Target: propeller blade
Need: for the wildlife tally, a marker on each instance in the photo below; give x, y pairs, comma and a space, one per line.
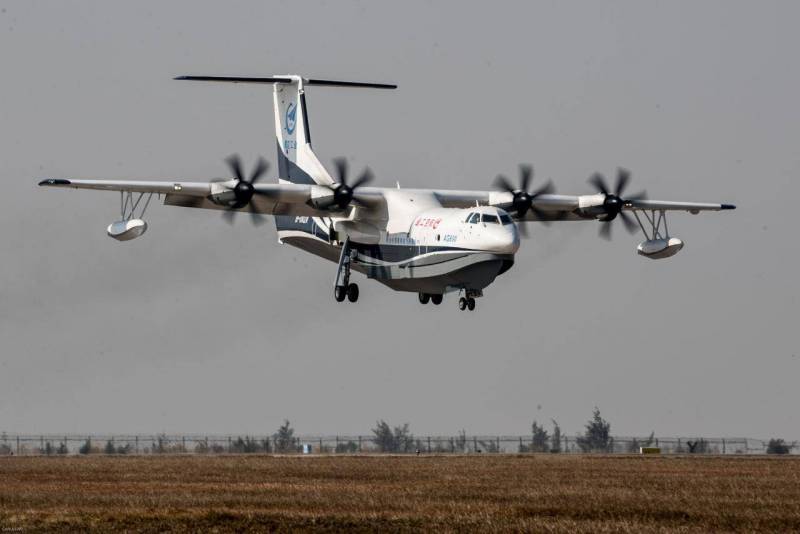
365, 178
525, 173
261, 167
341, 169
630, 226
235, 163
256, 218
623, 177
522, 229
229, 216
605, 230
541, 216
501, 182
546, 189
599, 182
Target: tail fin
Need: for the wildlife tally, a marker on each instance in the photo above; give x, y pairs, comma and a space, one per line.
297, 162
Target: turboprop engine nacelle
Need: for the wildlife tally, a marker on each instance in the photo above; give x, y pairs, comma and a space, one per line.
126, 230
657, 249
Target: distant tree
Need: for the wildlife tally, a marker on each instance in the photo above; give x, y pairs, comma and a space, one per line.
86, 448
62, 448
539, 438
284, 438
110, 448
398, 439
597, 436
5, 448
698, 446
779, 446
555, 441
460, 442
49, 449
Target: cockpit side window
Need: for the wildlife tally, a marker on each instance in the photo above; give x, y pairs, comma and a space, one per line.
505, 219
475, 218
468, 217
492, 219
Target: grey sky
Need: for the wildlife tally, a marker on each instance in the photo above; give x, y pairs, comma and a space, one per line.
202, 327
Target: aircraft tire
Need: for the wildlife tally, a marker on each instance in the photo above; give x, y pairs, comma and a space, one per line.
424, 298
339, 293
352, 292
436, 299
471, 303
462, 304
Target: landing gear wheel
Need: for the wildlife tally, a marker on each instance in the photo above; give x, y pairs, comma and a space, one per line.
339, 293
471, 303
462, 304
424, 298
436, 299
352, 292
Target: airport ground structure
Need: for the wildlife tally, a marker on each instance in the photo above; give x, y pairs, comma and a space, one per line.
462, 443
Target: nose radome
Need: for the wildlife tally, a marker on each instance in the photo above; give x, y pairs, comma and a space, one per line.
506, 241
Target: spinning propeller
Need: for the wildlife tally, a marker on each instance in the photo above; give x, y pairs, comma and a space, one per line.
243, 191
613, 202
342, 191
523, 200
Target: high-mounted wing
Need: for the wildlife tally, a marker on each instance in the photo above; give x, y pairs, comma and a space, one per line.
266, 198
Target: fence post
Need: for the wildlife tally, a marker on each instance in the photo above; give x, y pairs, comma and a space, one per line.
136, 439
359, 443
429, 444
723, 445
17, 445
320, 446
498, 443
520, 444
474, 444
229, 445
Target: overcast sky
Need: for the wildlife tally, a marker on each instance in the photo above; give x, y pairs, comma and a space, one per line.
203, 327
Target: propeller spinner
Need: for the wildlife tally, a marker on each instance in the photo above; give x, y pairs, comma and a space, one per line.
522, 200
342, 191
244, 191
614, 202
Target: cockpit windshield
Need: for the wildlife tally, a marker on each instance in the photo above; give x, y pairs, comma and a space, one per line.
505, 219
475, 218
492, 219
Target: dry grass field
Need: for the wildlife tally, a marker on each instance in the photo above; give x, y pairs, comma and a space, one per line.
366, 493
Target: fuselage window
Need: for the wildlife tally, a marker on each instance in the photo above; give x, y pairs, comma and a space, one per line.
505, 219
476, 217
492, 219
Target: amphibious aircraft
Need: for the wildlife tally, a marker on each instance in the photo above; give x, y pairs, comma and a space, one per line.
426, 241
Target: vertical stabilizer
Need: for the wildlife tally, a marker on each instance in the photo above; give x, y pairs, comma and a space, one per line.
297, 162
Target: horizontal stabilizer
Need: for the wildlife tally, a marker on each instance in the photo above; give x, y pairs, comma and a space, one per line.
281, 79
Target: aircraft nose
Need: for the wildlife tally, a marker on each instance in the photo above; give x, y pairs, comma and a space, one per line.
507, 240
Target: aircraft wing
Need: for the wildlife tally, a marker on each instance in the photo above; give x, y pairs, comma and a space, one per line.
268, 198
552, 207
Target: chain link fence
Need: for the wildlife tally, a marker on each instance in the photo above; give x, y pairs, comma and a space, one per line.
51, 444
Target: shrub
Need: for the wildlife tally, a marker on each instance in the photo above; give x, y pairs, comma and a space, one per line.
284, 439
346, 448
779, 446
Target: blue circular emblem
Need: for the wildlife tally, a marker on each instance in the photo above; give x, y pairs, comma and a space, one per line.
291, 116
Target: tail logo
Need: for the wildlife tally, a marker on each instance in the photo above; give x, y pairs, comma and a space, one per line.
291, 118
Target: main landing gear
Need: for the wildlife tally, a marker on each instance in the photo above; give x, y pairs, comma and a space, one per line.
467, 302
425, 298
464, 303
342, 288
